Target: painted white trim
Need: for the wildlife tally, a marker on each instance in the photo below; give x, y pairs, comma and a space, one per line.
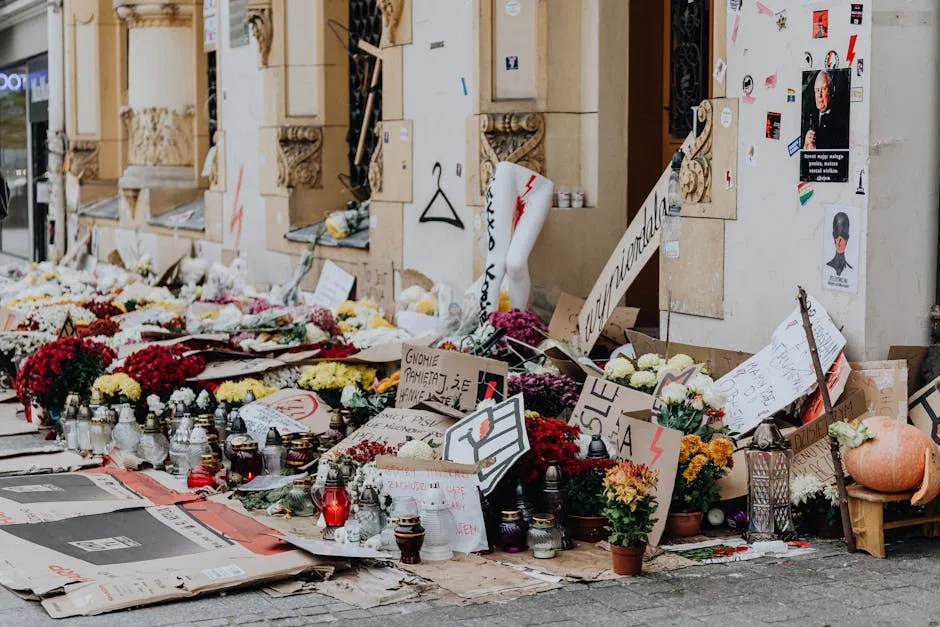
20, 11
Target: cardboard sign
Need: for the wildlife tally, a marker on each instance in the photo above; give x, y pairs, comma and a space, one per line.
885, 386
718, 361
13, 420
302, 406
658, 447
781, 372
836, 380
923, 409
915, 357
411, 477
236, 369
259, 419
602, 403
10, 319
564, 322
635, 249
333, 286
68, 328
496, 432
449, 377
395, 426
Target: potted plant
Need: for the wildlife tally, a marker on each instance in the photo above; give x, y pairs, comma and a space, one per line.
630, 505
818, 506
701, 465
586, 499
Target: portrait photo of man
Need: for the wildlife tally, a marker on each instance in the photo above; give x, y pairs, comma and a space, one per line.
825, 124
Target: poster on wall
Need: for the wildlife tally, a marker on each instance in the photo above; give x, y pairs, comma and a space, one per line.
841, 234
825, 126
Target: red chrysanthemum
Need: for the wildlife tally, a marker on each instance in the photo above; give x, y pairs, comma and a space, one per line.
550, 440
162, 369
69, 363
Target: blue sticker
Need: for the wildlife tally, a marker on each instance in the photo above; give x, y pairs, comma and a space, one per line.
794, 146
463, 84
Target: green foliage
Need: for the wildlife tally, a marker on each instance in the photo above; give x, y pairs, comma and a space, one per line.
585, 494
630, 528
261, 499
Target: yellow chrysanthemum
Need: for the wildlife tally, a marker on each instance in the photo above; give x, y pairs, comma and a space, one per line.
427, 306
690, 445
347, 308
720, 451
381, 323
345, 327
504, 303
235, 391
112, 386
387, 383
335, 375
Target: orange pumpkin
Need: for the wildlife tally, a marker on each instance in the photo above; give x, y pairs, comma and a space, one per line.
891, 462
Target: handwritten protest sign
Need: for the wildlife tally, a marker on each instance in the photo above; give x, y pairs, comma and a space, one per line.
303, 406
781, 372
497, 432
395, 426
411, 477
333, 286
601, 404
633, 252
259, 419
924, 409
885, 386
810, 443
657, 447
449, 377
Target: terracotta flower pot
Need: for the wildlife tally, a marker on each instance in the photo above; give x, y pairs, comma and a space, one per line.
587, 528
683, 524
628, 560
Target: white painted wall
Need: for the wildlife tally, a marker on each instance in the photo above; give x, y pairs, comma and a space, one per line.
776, 244
434, 99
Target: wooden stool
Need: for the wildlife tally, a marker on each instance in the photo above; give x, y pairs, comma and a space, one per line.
866, 509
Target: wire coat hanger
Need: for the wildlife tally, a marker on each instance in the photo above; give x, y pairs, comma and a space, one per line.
453, 221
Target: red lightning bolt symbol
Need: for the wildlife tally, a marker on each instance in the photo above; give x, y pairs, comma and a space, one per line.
528, 186
850, 56
655, 449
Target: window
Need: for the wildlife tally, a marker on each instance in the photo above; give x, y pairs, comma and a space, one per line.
365, 22
689, 76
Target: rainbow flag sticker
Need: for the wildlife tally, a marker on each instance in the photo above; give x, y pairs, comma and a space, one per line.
805, 190
791, 95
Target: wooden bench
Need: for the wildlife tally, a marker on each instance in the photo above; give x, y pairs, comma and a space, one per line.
866, 509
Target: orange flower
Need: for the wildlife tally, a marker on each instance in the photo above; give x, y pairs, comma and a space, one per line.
720, 451
691, 444
695, 467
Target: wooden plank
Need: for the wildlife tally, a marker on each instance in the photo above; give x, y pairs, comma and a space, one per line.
696, 278
392, 81
397, 171
911, 522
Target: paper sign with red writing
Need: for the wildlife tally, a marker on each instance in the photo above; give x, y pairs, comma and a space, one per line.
395, 427
497, 432
412, 477
600, 405
448, 377
302, 406
657, 447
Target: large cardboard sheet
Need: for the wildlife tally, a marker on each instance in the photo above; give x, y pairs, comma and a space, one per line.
106, 562
564, 323
601, 405
13, 420
290, 410
395, 426
65, 461
449, 377
885, 386
781, 372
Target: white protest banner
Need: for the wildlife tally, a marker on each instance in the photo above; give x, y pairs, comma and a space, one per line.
333, 286
448, 377
658, 447
302, 406
411, 477
781, 372
636, 248
260, 418
601, 404
395, 426
497, 432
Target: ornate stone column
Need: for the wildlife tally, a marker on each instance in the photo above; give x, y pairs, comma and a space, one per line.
159, 117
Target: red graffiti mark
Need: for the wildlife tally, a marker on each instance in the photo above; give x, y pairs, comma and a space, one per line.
519, 209
238, 212
490, 390
850, 55
484, 429
297, 406
657, 451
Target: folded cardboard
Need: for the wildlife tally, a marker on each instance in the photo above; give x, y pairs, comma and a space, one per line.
717, 361
65, 461
448, 377
915, 356
601, 405
13, 420
884, 384
564, 323
473, 577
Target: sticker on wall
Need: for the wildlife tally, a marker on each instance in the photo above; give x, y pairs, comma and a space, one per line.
859, 177
437, 44
771, 81
808, 58
734, 5
793, 147
763, 9
858, 10
832, 60
671, 249
459, 169
403, 133
747, 86
726, 117
860, 68
781, 19
850, 55
385, 137
840, 248
512, 62
729, 180
735, 27
821, 24
791, 94
825, 126
805, 191
858, 94
463, 86
772, 130
721, 68
750, 157
513, 8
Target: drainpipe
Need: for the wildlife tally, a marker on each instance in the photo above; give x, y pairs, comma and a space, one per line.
56, 135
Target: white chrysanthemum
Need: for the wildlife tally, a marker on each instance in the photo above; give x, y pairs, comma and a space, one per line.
203, 400
698, 404
663, 371
643, 379
183, 395
675, 393
284, 377
832, 494
315, 334
699, 383
803, 487
155, 405
713, 397
416, 449
649, 361
486, 403
619, 369
409, 297
349, 393
680, 362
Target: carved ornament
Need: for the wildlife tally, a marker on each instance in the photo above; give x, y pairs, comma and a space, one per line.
515, 137
695, 177
159, 136
83, 159
376, 165
261, 19
391, 15
155, 15
300, 156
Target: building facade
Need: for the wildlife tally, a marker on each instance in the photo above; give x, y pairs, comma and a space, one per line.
232, 127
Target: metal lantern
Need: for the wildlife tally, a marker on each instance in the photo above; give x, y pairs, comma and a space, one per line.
768, 478
597, 449
555, 497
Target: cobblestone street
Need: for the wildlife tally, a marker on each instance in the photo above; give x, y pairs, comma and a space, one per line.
827, 587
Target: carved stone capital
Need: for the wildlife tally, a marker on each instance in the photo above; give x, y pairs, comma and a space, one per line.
83, 159
695, 177
515, 137
159, 136
261, 19
391, 15
376, 165
154, 15
300, 156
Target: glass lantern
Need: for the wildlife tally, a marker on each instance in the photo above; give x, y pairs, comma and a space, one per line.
198, 446
100, 435
246, 461
236, 429
440, 526
298, 500
179, 447
70, 427
273, 453
220, 420
512, 531
555, 500
153, 446
544, 538
371, 519
126, 434
768, 479
83, 428
335, 504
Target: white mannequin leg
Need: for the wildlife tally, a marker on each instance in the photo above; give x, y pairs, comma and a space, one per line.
538, 202
499, 202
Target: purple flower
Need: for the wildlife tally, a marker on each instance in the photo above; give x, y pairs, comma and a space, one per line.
521, 325
323, 318
548, 394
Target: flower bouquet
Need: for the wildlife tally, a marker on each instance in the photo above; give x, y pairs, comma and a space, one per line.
117, 389
696, 407
16, 346
628, 490
342, 224
234, 392
546, 393
162, 369
523, 329
817, 504
360, 406
551, 441
701, 465
586, 499
66, 364
328, 378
